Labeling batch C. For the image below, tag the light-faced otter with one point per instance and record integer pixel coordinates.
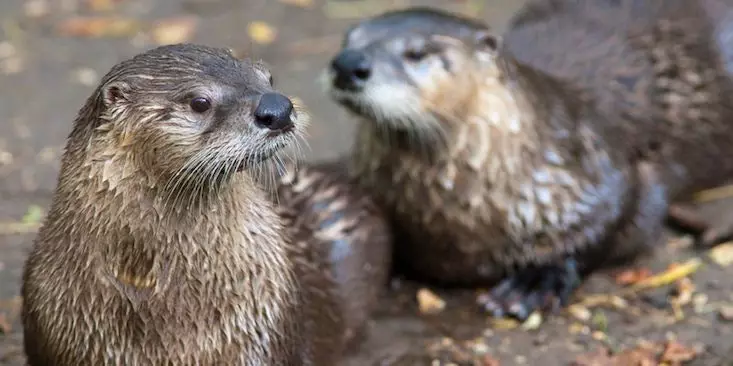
(161, 248)
(497, 171)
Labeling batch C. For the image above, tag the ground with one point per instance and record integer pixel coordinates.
(51, 55)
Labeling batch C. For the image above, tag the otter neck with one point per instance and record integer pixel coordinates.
(111, 212)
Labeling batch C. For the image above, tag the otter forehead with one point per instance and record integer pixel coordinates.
(417, 21)
(176, 64)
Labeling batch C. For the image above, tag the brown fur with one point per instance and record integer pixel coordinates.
(524, 167)
(350, 232)
(141, 261)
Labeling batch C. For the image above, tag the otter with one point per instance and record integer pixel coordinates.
(162, 247)
(498, 171)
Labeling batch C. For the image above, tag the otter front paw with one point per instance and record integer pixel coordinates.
(542, 288)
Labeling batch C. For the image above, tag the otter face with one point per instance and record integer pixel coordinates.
(186, 107)
(410, 69)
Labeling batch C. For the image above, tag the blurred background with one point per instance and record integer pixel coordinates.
(53, 52)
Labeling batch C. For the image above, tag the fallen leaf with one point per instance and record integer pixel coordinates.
(636, 357)
(299, 3)
(672, 274)
(429, 302)
(504, 323)
(489, 361)
(631, 276)
(533, 321)
(722, 254)
(33, 215)
(598, 357)
(600, 321)
(261, 32)
(97, 27)
(676, 353)
(174, 30)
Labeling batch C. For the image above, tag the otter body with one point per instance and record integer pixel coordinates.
(499, 170)
(161, 248)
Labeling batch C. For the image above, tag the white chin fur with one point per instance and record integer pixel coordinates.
(393, 104)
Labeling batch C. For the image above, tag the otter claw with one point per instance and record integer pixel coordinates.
(546, 288)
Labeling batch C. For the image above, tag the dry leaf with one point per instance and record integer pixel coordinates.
(299, 3)
(429, 302)
(631, 276)
(489, 361)
(504, 323)
(174, 30)
(672, 274)
(97, 27)
(261, 32)
(598, 357)
(722, 254)
(675, 353)
(637, 357)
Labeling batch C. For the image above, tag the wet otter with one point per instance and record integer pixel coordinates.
(498, 171)
(160, 246)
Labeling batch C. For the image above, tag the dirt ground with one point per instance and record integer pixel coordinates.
(51, 56)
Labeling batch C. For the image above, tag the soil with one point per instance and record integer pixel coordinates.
(51, 56)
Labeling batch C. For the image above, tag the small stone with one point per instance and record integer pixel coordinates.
(12, 65)
(36, 8)
(7, 50)
(726, 312)
(699, 303)
(580, 312)
(6, 158)
(429, 302)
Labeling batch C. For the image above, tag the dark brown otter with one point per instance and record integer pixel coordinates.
(497, 169)
(161, 248)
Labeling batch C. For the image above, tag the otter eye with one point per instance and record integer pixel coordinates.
(200, 104)
(415, 54)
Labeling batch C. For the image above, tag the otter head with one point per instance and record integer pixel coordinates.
(188, 111)
(412, 70)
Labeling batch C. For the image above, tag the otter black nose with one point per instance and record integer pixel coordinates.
(273, 112)
(352, 69)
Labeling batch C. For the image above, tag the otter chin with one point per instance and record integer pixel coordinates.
(412, 77)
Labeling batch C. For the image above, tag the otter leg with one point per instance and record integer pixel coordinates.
(544, 287)
(549, 287)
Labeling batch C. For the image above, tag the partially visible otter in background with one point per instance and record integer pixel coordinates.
(161, 248)
(496, 171)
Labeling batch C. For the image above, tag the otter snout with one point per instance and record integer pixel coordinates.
(352, 69)
(274, 112)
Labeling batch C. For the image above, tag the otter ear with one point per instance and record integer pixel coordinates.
(115, 92)
(487, 41)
